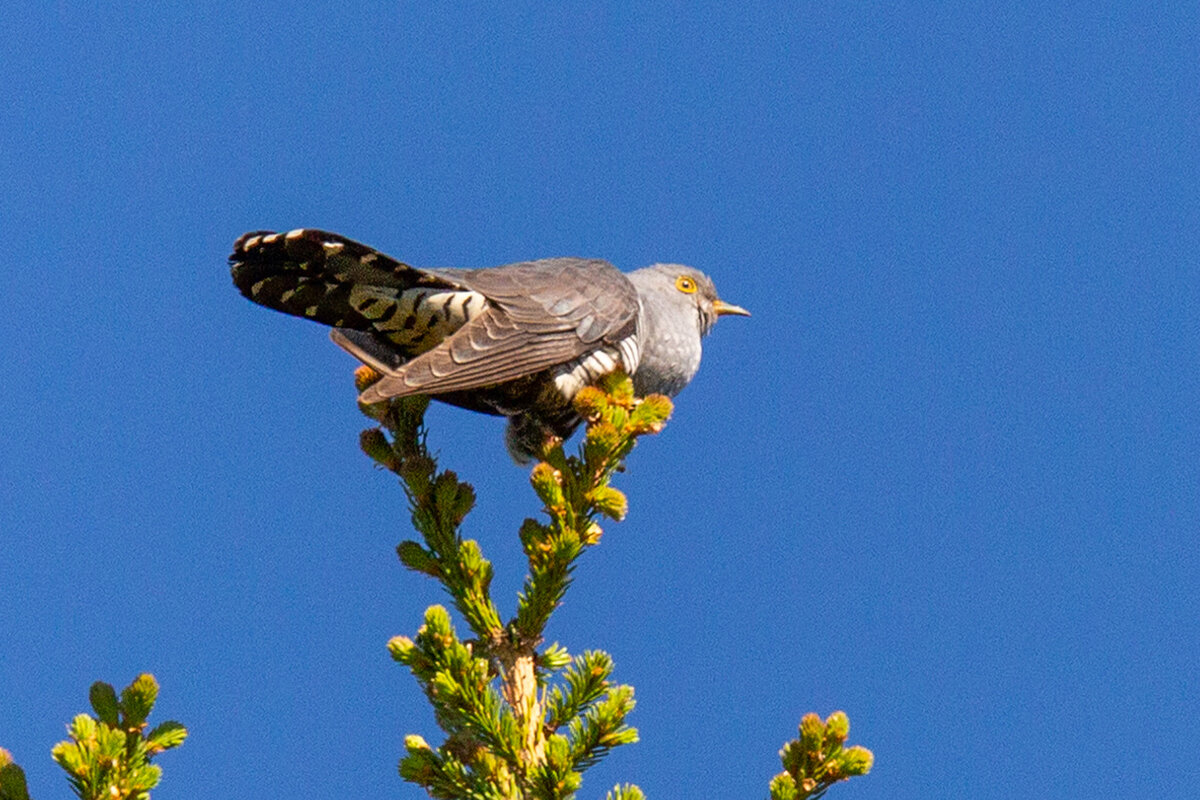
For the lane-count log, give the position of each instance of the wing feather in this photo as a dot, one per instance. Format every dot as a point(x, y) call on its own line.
point(591, 296)
point(486, 351)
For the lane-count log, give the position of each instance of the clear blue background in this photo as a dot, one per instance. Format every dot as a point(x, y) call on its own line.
point(944, 479)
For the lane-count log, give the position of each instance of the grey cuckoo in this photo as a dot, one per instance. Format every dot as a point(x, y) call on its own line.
point(517, 341)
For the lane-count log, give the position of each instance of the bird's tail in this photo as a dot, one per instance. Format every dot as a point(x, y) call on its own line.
point(314, 274)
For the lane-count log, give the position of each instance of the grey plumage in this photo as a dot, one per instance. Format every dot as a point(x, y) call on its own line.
point(518, 341)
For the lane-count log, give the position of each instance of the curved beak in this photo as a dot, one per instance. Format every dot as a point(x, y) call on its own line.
point(723, 309)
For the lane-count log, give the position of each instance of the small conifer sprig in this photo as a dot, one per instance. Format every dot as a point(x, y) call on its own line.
point(108, 755)
point(818, 758)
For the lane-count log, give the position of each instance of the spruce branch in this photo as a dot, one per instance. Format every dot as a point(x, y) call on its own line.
point(523, 721)
point(510, 732)
point(108, 756)
point(585, 680)
point(438, 502)
point(818, 758)
point(625, 792)
point(602, 727)
point(12, 778)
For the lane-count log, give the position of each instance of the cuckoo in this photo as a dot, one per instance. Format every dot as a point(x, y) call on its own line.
point(517, 341)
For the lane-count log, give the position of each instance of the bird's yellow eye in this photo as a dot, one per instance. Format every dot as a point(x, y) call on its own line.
point(685, 284)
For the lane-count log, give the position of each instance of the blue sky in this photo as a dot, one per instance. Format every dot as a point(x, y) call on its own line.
point(945, 478)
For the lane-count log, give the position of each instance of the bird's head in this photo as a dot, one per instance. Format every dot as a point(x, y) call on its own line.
point(688, 288)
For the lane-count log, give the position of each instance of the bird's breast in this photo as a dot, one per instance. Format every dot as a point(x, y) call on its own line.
point(669, 362)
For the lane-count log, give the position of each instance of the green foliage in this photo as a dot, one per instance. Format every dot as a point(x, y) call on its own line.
point(625, 792)
point(12, 779)
point(818, 758)
point(523, 720)
point(108, 756)
point(602, 728)
point(585, 680)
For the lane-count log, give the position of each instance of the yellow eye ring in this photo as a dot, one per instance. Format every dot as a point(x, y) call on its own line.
point(685, 284)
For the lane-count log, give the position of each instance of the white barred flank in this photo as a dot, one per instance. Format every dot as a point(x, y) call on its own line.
point(631, 353)
point(573, 376)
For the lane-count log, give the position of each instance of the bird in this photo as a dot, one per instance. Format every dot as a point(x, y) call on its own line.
point(517, 341)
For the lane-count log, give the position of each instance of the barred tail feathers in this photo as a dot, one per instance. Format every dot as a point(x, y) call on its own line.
point(344, 284)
